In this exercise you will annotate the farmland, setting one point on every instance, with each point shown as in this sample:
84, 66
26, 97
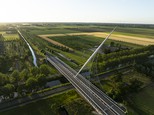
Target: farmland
73, 44
42, 31
142, 101
117, 37
10, 37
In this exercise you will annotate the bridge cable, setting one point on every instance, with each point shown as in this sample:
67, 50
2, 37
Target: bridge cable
94, 53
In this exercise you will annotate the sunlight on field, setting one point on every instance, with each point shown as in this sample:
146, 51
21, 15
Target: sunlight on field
2, 32
10, 37
117, 37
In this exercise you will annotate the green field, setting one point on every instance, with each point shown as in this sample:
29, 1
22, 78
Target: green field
134, 35
85, 42
141, 77
11, 37
42, 31
124, 30
2, 32
107, 84
72, 102
143, 101
138, 31
78, 42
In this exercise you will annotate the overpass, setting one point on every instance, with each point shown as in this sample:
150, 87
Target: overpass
102, 103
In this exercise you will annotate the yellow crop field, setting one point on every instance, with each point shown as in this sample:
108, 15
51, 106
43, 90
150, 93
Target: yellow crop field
118, 37
10, 37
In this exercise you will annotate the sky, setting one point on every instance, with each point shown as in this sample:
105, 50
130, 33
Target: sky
101, 11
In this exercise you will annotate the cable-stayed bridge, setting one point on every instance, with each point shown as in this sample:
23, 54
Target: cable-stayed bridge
102, 103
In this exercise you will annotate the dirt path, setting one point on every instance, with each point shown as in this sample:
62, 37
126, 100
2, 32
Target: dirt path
124, 38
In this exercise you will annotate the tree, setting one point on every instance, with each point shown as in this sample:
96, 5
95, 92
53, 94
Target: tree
107, 50
15, 74
135, 85
31, 83
112, 44
8, 89
12, 79
118, 77
41, 79
20, 89
23, 75
3, 79
44, 69
34, 71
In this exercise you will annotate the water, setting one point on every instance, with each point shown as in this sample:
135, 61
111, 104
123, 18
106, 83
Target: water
32, 51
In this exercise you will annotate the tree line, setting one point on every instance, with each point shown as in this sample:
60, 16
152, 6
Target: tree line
113, 60
26, 81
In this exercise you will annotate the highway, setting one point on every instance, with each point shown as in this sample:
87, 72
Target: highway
103, 104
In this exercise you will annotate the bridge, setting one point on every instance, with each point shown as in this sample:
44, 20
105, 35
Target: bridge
102, 103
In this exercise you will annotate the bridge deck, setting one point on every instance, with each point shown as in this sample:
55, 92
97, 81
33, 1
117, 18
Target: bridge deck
99, 100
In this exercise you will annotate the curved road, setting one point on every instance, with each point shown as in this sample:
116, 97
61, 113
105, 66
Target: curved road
32, 51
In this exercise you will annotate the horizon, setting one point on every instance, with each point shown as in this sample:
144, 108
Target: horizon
77, 22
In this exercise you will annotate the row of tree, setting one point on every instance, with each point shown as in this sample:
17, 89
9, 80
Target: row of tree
126, 52
146, 68
121, 58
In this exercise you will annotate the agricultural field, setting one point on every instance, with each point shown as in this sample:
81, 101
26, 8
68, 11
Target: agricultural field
72, 102
2, 32
44, 30
116, 37
139, 31
80, 43
11, 37
81, 39
106, 84
142, 101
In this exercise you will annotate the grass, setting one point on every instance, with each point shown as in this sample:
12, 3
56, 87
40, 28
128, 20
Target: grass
2, 32
85, 42
143, 101
135, 35
78, 42
72, 102
11, 37
141, 77
51, 31
125, 30
106, 84
137, 31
